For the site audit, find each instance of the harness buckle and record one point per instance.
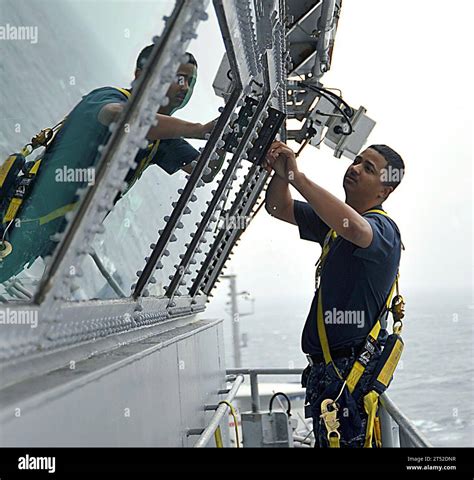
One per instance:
(329, 411)
(398, 308)
(5, 249)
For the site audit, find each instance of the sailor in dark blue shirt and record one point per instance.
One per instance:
(362, 262)
(355, 280)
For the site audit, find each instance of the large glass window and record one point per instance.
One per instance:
(53, 53)
(131, 229)
(87, 49)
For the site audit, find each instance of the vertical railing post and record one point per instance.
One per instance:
(386, 428)
(390, 429)
(405, 441)
(254, 392)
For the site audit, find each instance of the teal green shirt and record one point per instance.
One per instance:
(59, 178)
(68, 165)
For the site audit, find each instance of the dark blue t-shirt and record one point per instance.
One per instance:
(355, 281)
(172, 154)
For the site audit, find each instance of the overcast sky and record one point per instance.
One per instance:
(409, 64)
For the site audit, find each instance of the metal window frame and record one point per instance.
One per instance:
(64, 323)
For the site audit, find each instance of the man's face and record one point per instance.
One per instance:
(362, 179)
(179, 88)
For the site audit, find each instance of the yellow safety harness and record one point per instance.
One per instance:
(10, 168)
(329, 407)
(146, 160)
(151, 151)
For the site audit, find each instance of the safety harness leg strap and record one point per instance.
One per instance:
(371, 401)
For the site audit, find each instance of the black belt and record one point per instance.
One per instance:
(336, 353)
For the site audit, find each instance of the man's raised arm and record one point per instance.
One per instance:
(341, 217)
(167, 127)
(278, 201)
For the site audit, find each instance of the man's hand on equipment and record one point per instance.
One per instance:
(204, 129)
(281, 158)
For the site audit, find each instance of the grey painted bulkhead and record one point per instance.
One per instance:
(144, 393)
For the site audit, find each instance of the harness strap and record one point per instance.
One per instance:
(59, 212)
(124, 91)
(44, 138)
(152, 149)
(20, 194)
(358, 368)
(371, 401)
(377, 432)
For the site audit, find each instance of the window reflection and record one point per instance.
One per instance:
(153, 187)
(40, 190)
(50, 189)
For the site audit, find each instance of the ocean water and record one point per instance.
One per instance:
(433, 384)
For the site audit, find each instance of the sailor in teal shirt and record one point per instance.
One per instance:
(75, 149)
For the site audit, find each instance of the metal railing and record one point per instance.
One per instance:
(254, 373)
(397, 429)
(221, 410)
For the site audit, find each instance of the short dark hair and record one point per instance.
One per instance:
(395, 169)
(146, 52)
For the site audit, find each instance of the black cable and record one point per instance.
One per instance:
(288, 412)
(339, 97)
(334, 88)
(328, 91)
(327, 96)
(256, 83)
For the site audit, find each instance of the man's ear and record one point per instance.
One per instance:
(138, 72)
(385, 192)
